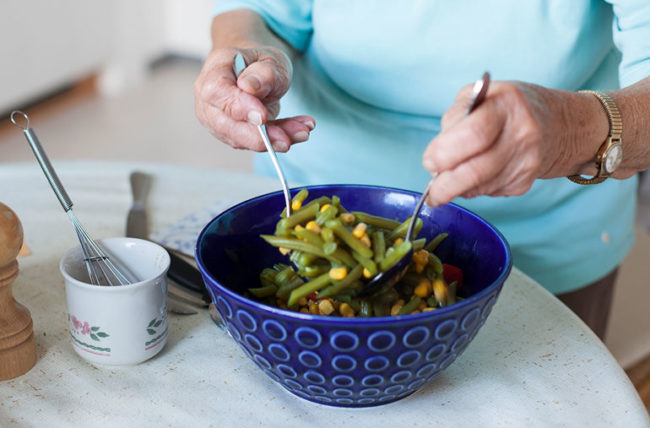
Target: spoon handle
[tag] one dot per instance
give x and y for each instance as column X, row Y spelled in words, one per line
column 238, row 66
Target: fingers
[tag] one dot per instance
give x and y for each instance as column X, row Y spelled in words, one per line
column 231, row 107
column 467, row 138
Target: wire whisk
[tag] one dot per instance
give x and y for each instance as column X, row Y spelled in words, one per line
column 101, row 269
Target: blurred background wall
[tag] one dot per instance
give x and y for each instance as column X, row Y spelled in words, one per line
column 50, row 44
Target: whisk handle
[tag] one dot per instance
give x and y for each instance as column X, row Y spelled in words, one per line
column 47, row 168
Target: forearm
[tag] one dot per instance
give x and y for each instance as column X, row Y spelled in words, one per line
column 245, row 29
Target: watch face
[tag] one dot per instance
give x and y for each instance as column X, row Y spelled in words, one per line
column 613, row 158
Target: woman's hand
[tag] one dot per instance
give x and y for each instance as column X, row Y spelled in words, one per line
column 520, row 133
column 231, row 106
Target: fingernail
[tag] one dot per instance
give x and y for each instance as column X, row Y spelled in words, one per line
column 429, row 165
column 309, row 124
column 300, row 136
column 280, row 146
column 255, row 118
column 253, row 82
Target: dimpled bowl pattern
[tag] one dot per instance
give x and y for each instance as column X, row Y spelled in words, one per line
column 350, row 362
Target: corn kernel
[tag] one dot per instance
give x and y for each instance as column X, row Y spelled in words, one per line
column 302, row 301
column 359, row 230
column 421, row 257
column 440, row 290
column 366, row 240
column 324, row 207
column 428, row 309
column 284, row 251
column 346, row 310
column 417, row 311
column 313, row 309
column 366, row 273
column 398, row 241
column 422, row 305
column 423, row 289
column 347, row 217
column 325, row 307
column 313, row 226
column 394, row 310
column 338, row 273
column 296, row 205
column 304, row 310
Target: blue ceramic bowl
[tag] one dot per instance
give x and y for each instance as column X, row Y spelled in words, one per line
column 351, row 362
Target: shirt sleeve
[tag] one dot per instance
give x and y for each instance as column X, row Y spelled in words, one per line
column 290, row 20
column 631, row 32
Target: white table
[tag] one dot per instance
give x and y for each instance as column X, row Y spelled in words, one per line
column 533, row 363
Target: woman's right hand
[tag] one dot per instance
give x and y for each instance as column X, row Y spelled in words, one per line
column 231, row 107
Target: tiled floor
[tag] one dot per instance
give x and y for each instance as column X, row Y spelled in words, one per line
column 155, row 122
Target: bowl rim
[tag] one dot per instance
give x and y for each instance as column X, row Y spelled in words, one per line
column 339, row 320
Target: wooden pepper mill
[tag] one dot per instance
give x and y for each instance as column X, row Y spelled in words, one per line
column 17, row 347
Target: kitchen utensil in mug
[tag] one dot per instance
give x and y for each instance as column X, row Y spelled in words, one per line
column 239, row 64
column 118, row 325
column 100, row 268
column 392, row 275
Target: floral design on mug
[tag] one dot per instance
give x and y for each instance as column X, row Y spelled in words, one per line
column 85, row 329
column 154, row 330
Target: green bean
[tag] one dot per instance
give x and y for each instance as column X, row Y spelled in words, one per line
column 284, row 290
column 306, row 259
column 365, row 310
column 329, row 213
column 378, row 308
column 379, row 222
column 366, row 262
column 284, row 276
column 296, row 244
column 300, row 196
column 418, row 244
column 313, row 271
column 378, row 245
column 343, row 255
column 435, row 263
column 391, row 258
column 431, row 301
column 433, row 244
column 320, row 201
column 389, row 296
column 400, row 231
column 336, row 201
column 410, row 306
column 451, row 293
column 306, row 289
column 338, row 286
column 329, row 247
column 327, row 234
column 309, row 236
column 265, row 291
column 303, row 215
column 347, row 237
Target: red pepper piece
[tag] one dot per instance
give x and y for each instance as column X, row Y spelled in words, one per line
column 452, row 273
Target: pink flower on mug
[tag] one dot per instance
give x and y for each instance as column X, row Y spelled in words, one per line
column 86, row 328
column 75, row 323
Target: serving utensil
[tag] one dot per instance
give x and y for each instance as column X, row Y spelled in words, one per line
column 239, row 64
column 101, row 269
column 179, row 271
column 388, row 278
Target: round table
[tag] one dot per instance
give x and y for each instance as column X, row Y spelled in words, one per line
column 534, row 363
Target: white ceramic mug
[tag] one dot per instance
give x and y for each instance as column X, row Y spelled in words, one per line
column 124, row 324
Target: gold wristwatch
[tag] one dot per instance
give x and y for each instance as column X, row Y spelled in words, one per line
column 610, row 154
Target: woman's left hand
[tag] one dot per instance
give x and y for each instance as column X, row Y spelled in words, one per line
column 519, row 133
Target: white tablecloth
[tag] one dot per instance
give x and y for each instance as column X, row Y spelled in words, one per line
column 533, row 363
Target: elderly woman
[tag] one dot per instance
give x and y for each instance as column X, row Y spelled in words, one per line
column 387, row 84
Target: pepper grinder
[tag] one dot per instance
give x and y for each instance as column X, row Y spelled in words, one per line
column 17, row 347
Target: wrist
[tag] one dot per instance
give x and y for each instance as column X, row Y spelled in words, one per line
column 592, row 129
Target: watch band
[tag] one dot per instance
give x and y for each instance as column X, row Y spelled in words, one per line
column 613, row 138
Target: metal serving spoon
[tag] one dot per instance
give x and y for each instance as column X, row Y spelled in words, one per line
column 388, row 278
column 239, row 64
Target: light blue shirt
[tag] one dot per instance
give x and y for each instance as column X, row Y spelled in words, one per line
column 378, row 75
